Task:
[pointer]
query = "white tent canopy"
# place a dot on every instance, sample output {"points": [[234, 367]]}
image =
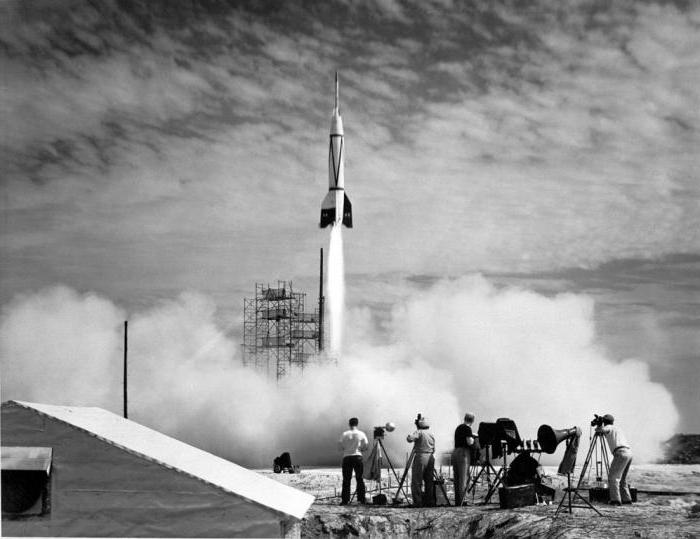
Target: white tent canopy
{"points": [[172, 453]]}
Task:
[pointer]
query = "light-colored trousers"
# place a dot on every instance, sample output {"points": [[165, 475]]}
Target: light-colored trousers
{"points": [[422, 472], [461, 461], [617, 477]]}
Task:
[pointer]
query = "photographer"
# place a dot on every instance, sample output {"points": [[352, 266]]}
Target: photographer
{"points": [[423, 464], [622, 458], [461, 457], [353, 442]]}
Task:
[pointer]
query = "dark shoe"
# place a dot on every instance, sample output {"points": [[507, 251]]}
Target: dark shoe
{"points": [[343, 503], [614, 502], [627, 503]]}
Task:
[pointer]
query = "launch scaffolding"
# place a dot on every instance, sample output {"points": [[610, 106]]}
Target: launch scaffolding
{"points": [[279, 335]]}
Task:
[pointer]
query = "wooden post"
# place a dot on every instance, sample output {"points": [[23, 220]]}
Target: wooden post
{"points": [[126, 332]]}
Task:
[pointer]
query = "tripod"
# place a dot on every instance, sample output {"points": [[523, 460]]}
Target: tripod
{"points": [[572, 493], [436, 478], [381, 450], [487, 468]]}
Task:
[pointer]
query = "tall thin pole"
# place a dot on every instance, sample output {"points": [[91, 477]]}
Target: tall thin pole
{"points": [[321, 301], [126, 333]]}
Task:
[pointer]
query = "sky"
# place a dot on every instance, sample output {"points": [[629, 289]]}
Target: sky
{"points": [[152, 149]]}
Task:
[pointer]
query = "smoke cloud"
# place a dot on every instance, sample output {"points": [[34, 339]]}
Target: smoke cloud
{"points": [[462, 345], [60, 347]]}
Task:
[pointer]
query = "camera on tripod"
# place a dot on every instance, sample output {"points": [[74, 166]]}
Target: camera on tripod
{"points": [[597, 421], [379, 431], [499, 435]]}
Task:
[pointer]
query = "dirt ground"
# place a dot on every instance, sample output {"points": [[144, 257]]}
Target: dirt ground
{"points": [[654, 515]]}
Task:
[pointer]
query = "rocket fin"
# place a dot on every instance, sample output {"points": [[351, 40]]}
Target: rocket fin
{"points": [[347, 212], [327, 210]]}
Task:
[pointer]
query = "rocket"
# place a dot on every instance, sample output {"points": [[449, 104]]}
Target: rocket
{"points": [[336, 207]]}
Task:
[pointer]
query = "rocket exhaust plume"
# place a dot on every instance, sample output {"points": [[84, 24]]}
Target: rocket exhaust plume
{"points": [[336, 290]]}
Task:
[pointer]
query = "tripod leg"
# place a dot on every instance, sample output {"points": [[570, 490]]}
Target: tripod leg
{"points": [[584, 500], [475, 479], [437, 479], [576, 494], [388, 461], [561, 502], [405, 473], [606, 458], [566, 495], [486, 468], [586, 463], [393, 470], [575, 491], [471, 485], [497, 481]]}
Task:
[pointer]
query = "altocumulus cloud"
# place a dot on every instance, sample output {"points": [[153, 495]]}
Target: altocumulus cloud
{"points": [[534, 136], [158, 146]]}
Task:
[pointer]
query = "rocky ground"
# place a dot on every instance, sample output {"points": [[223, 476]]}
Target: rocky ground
{"points": [[682, 449], [672, 515]]}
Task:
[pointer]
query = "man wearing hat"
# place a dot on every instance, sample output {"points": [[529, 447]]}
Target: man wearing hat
{"points": [[352, 442], [423, 464], [620, 465]]}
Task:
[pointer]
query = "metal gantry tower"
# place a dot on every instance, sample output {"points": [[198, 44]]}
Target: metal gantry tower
{"points": [[278, 334]]}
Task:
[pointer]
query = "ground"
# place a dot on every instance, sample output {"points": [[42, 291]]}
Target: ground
{"points": [[672, 515]]}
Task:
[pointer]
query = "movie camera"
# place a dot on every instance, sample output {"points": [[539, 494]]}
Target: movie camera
{"points": [[380, 430], [496, 440], [499, 435], [597, 421]]}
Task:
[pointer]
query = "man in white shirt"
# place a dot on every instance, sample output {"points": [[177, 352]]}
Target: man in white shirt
{"points": [[620, 465], [353, 442]]}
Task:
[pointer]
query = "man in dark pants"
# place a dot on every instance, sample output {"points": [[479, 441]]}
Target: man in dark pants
{"points": [[353, 442], [461, 457]]}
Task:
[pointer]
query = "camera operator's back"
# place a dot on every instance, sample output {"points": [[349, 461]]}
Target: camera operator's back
{"points": [[353, 442]]}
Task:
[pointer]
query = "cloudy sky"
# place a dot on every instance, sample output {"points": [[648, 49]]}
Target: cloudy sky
{"points": [[154, 147]]}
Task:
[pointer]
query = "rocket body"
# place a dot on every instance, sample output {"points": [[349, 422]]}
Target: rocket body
{"points": [[336, 208]]}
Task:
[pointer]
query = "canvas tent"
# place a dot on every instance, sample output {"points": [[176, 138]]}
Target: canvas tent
{"points": [[77, 471]]}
